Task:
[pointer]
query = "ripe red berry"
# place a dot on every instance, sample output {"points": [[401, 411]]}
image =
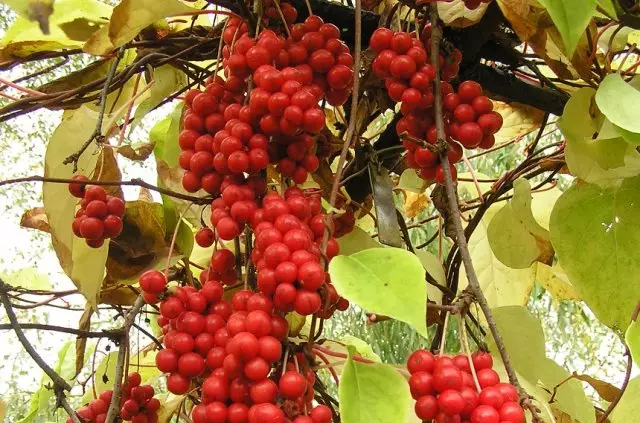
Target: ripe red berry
{"points": [[468, 90], [421, 384], [77, 190], [167, 360], [488, 377], [426, 407], [177, 384], [485, 414], [451, 402], [447, 377], [381, 39], [112, 226], [92, 228], [512, 412], [421, 361], [205, 237], [153, 281], [292, 385]]}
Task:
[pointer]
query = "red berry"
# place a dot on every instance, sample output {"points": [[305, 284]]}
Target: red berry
{"points": [[292, 385], [402, 67], [426, 407], [321, 414], [491, 396], [421, 384], [421, 361], [77, 190], [490, 123], [92, 228], [512, 412], [451, 402], [488, 377], [468, 90], [508, 391], [112, 226], [447, 377], [381, 39], [485, 414], [153, 281], [167, 360], [177, 384], [205, 237]]}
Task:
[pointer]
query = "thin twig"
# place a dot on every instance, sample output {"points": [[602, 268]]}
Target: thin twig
{"points": [[97, 133], [60, 385], [122, 353], [132, 182], [452, 198], [115, 335]]}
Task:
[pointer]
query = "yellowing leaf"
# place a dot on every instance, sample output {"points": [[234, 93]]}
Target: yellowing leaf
{"points": [[518, 120], [502, 285], [516, 239], [83, 264], [167, 80], [569, 394], [628, 408], [34, 10], [128, 19], [410, 181], [555, 280], [607, 391], [169, 407], [613, 97], [71, 23], [28, 278]]}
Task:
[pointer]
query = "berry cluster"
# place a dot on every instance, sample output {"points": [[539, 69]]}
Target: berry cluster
{"points": [[271, 16], [444, 390], [288, 232], [402, 60], [236, 206], [222, 268], [99, 216], [138, 404]]}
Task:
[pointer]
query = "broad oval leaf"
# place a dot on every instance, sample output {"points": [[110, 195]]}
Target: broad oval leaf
{"points": [[372, 393], [596, 232], [618, 101], [385, 281], [571, 17], [516, 238], [628, 408], [602, 162], [356, 240]]}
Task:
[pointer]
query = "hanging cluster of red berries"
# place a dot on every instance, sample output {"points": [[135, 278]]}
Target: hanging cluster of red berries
{"points": [[445, 391], [137, 404], [469, 4], [288, 234], [236, 206], [99, 216], [402, 60]]}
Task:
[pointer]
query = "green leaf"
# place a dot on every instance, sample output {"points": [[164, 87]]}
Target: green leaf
{"points": [[71, 24], [523, 339], [356, 240], [40, 399], [34, 10], [618, 101], [83, 264], [569, 394], [165, 137], [166, 81], [516, 239], [628, 408], [185, 236], [502, 285], [385, 281], [571, 17], [130, 17], [595, 232], [411, 181], [361, 347], [28, 278], [372, 393], [632, 338], [607, 6], [602, 162], [433, 266]]}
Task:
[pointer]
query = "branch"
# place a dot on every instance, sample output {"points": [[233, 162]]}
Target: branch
{"points": [[133, 182], [112, 334], [60, 385], [97, 133], [114, 407], [452, 199]]}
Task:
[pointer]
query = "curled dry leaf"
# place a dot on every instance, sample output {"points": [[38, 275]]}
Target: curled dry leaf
{"points": [[414, 203], [456, 14], [35, 219]]}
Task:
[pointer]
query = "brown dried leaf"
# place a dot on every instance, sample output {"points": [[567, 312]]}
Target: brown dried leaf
{"points": [[138, 152], [81, 343], [118, 295], [107, 170], [35, 219], [607, 391]]}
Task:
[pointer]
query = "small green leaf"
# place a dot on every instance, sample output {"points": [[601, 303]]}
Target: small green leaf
{"points": [[361, 347], [433, 266], [372, 393], [602, 162], [595, 232], [165, 137], [632, 338], [516, 239], [571, 17], [628, 408], [411, 181], [356, 240], [569, 395], [618, 101], [385, 281]]}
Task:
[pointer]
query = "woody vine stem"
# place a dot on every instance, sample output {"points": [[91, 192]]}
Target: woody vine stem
{"points": [[460, 238]]}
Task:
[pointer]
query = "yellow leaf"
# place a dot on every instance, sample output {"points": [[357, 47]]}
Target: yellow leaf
{"points": [[554, 280], [607, 391], [128, 19], [518, 120], [414, 203]]}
